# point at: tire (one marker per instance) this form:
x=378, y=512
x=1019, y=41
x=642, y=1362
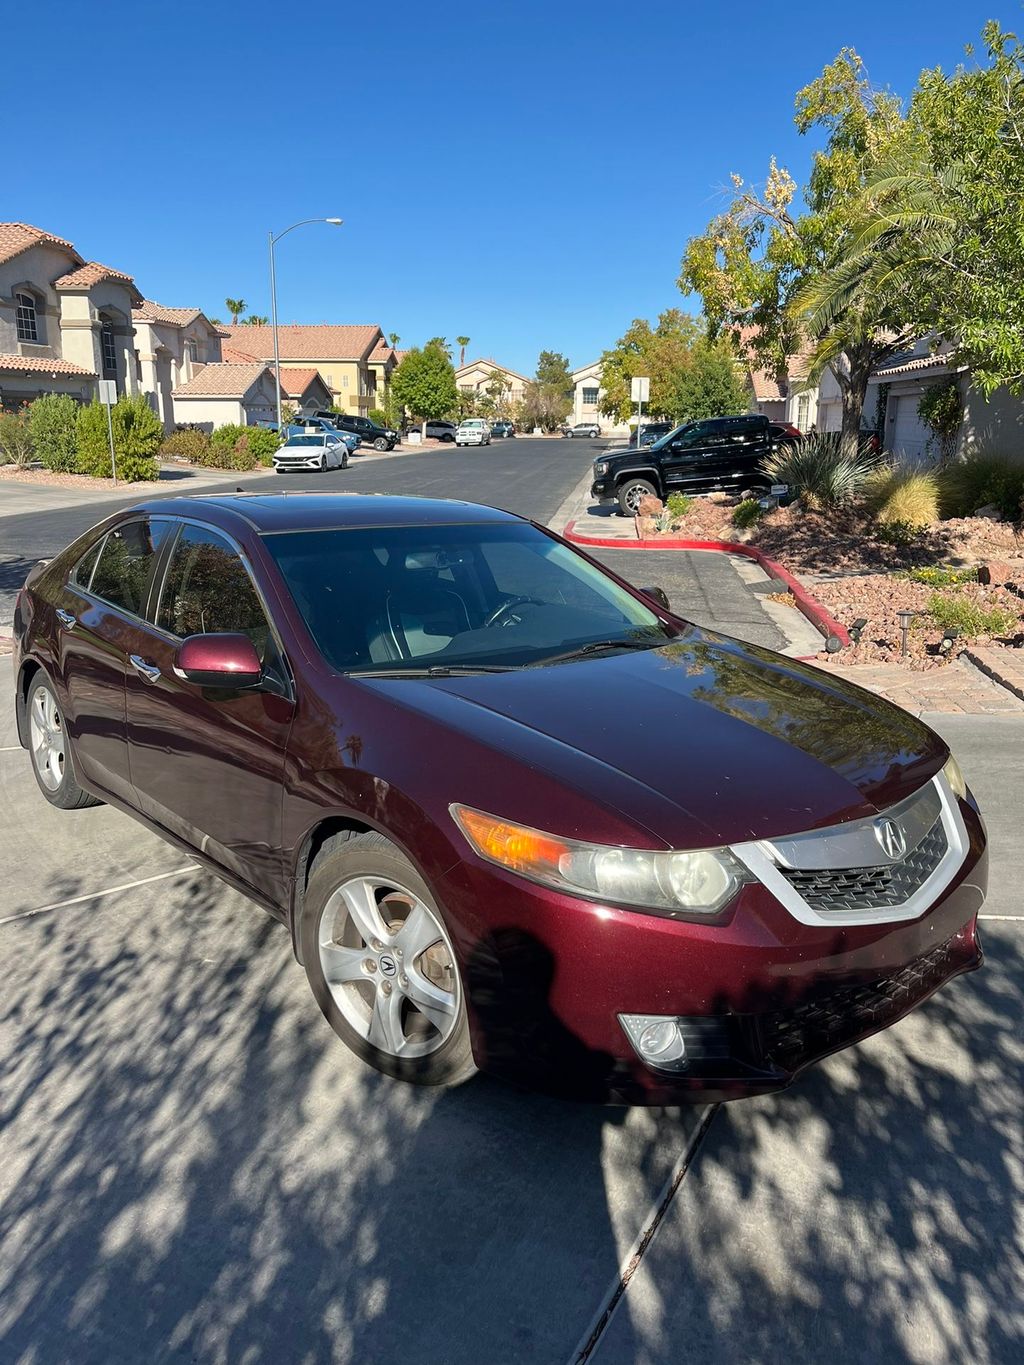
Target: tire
x=630, y=493
x=322, y=466
x=568, y=435
x=381, y=443
x=344, y=460
x=389, y=895
x=52, y=764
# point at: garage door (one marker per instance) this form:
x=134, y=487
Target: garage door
x=909, y=436
x=830, y=416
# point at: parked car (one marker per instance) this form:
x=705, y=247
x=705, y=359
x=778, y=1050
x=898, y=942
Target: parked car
x=582, y=429
x=301, y=423
x=439, y=431
x=785, y=433
x=312, y=450
x=381, y=438
x=700, y=457
x=502, y=429
x=506, y=871
x=474, y=431
x=649, y=432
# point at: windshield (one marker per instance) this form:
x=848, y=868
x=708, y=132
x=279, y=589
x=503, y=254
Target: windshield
x=305, y=441
x=381, y=598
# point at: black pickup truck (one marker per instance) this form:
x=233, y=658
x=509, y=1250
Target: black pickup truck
x=720, y=453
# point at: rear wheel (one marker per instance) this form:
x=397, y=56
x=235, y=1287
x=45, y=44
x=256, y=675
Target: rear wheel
x=630, y=493
x=381, y=963
x=568, y=435
x=51, y=752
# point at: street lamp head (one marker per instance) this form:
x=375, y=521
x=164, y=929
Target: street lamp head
x=337, y=222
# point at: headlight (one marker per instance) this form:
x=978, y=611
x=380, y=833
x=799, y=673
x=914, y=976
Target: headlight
x=951, y=772
x=699, y=882
x=600, y=466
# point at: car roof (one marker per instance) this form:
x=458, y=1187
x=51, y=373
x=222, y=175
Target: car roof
x=269, y=512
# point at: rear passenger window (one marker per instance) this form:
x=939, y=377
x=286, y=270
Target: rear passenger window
x=82, y=572
x=126, y=563
x=208, y=589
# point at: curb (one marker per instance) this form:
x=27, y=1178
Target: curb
x=825, y=624
x=984, y=667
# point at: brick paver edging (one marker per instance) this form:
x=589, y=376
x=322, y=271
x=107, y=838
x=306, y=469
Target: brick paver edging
x=810, y=606
x=1007, y=673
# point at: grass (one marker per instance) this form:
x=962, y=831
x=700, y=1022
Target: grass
x=939, y=576
x=678, y=504
x=968, y=617
x=747, y=513
x=983, y=481
x=902, y=498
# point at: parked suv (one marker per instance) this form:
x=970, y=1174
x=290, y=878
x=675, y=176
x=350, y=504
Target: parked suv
x=700, y=457
x=381, y=438
x=582, y=429
x=321, y=423
x=439, y=431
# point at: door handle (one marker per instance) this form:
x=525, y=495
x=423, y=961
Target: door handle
x=66, y=619
x=148, y=672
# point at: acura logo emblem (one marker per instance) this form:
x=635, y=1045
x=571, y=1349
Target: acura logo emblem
x=890, y=837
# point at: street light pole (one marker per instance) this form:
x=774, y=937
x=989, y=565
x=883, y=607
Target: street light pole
x=334, y=222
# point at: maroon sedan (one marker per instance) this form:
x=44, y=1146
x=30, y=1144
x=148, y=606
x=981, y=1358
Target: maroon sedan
x=515, y=813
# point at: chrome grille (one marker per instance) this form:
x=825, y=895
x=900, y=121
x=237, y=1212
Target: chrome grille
x=871, y=888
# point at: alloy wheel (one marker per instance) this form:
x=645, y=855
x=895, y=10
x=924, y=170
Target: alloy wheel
x=46, y=736
x=389, y=966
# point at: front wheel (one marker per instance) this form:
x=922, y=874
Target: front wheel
x=381, y=963
x=381, y=443
x=50, y=749
x=322, y=466
x=631, y=492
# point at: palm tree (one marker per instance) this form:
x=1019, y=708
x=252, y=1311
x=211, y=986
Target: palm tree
x=236, y=307
x=462, y=343
x=394, y=338
x=255, y=320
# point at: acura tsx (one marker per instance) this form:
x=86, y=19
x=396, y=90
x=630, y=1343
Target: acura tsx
x=516, y=814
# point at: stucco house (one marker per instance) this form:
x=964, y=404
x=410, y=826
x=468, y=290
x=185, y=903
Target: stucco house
x=172, y=346
x=64, y=321
x=305, y=389
x=476, y=377
x=221, y=393
x=354, y=361
x=586, y=401
x=784, y=396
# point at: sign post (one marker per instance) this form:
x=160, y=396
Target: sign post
x=108, y=396
x=640, y=393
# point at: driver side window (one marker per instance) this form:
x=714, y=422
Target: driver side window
x=208, y=589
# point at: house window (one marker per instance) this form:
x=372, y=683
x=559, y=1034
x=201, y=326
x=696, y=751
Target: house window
x=108, y=350
x=803, y=407
x=191, y=350
x=590, y=398
x=28, y=329
x=344, y=381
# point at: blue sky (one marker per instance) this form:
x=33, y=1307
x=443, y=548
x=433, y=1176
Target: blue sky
x=526, y=174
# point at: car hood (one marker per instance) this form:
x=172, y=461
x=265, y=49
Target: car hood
x=704, y=740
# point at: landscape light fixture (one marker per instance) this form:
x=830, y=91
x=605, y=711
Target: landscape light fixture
x=334, y=222
x=906, y=620
x=948, y=636
x=856, y=628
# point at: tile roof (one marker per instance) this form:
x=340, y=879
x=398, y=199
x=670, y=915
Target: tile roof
x=767, y=386
x=486, y=360
x=901, y=365
x=18, y=237
x=222, y=380
x=232, y=355
x=295, y=382
x=41, y=365
x=89, y=274
x=382, y=352
x=149, y=311
x=322, y=341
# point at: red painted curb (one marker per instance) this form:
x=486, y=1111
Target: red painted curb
x=817, y=615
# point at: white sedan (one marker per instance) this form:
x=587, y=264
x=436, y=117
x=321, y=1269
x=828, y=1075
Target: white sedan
x=474, y=431
x=311, y=450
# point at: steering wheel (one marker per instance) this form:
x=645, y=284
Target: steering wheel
x=499, y=611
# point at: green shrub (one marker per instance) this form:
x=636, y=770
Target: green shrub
x=938, y=576
x=379, y=416
x=899, y=533
x=187, y=443
x=747, y=513
x=242, y=456
x=968, y=616
x=53, y=421
x=227, y=435
x=262, y=443
x=908, y=497
x=240, y=448
x=817, y=471
x=16, y=439
x=982, y=481
x=138, y=435
x=678, y=504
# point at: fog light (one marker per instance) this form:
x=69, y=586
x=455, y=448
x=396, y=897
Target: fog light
x=658, y=1040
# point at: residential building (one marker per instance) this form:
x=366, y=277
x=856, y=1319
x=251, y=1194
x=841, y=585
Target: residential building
x=354, y=361
x=476, y=380
x=221, y=393
x=586, y=401
x=783, y=396
x=64, y=321
x=305, y=390
x=172, y=345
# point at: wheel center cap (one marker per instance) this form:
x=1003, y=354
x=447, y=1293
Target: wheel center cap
x=388, y=965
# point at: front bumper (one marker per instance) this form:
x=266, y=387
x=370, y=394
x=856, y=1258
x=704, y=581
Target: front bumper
x=301, y=462
x=547, y=976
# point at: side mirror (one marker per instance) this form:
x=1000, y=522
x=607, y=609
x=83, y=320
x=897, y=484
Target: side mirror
x=219, y=660
x=658, y=595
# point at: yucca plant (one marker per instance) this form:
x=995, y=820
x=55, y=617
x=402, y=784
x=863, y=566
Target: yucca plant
x=817, y=471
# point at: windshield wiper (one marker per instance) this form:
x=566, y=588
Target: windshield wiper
x=595, y=646
x=437, y=671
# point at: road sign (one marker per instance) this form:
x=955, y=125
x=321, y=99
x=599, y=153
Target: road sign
x=108, y=391
x=640, y=389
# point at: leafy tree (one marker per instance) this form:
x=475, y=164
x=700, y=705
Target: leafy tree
x=462, y=343
x=53, y=420
x=236, y=307
x=761, y=262
x=708, y=385
x=941, y=218
x=661, y=353
x=425, y=382
x=138, y=435
x=547, y=401
x=442, y=344
x=553, y=371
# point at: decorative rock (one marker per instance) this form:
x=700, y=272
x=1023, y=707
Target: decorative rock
x=996, y=572
x=649, y=505
x=990, y=512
